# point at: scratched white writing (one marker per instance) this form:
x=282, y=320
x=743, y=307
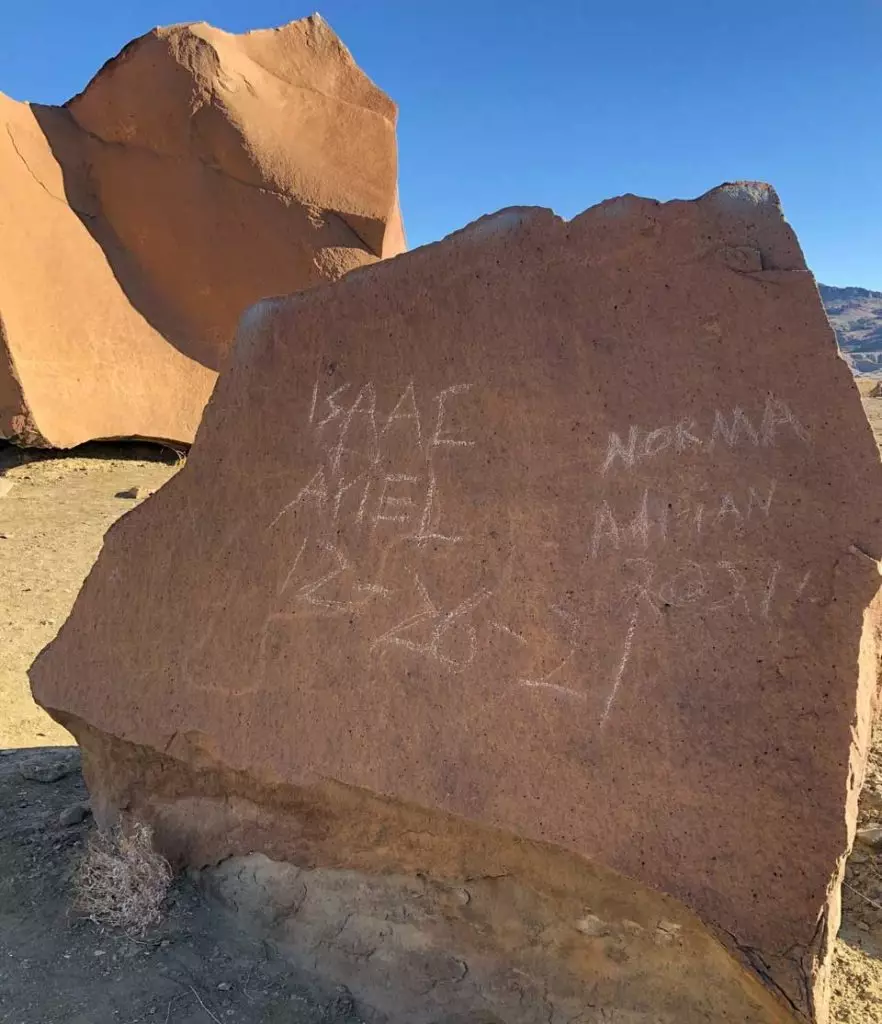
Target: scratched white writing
x=656, y=519
x=709, y=586
x=651, y=591
x=373, y=488
x=358, y=442
x=686, y=437
x=441, y=624
x=367, y=533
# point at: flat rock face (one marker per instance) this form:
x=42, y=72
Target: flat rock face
x=569, y=530
x=197, y=173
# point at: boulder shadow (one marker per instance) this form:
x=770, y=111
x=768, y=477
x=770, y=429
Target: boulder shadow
x=70, y=145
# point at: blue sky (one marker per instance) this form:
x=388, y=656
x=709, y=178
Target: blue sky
x=564, y=104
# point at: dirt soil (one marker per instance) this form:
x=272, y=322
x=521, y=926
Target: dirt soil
x=52, y=521
x=199, y=965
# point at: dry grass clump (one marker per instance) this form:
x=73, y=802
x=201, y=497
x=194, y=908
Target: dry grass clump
x=121, y=881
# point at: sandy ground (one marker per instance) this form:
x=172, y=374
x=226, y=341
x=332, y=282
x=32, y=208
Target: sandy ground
x=198, y=966
x=51, y=524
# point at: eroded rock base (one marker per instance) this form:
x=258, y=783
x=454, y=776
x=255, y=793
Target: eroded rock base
x=428, y=918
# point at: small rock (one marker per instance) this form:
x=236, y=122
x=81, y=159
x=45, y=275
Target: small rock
x=870, y=836
x=667, y=932
x=224, y=986
x=6, y=536
x=592, y=926
x=132, y=492
x=52, y=772
x=864, y=927
x=74, y=814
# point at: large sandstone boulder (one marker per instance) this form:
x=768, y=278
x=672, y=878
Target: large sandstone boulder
x=547, y=553
x=197, y=173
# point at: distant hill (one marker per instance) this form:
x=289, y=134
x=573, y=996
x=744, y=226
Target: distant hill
x=856, y=316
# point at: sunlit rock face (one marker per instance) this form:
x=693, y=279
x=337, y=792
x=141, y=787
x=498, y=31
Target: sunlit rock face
x=550, y=544
x=197, y=173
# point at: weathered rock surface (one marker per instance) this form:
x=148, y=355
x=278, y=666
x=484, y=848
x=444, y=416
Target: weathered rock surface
x=197, y=173
x=523, y=939
x=566, y=532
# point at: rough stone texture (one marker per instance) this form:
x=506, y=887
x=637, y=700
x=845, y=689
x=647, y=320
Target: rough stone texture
x=197, y=173
x=564, y=942
x=569, y=530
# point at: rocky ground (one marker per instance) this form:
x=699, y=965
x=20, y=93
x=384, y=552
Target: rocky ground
x=198, y=965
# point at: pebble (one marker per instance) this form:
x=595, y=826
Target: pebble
x=592, y=925
x=131, y=492
x=46, y=772
x=224, y=986
x=74, y=814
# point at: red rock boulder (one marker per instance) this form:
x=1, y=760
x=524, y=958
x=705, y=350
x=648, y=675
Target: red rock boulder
x=548, y=537
x=197, y=173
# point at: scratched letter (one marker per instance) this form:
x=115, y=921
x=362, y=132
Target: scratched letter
x=615, y=449
x=606, y=530
x=364, y=406
x=406, y=409
x=394, y=509
x=439, y=437
x=777, y=414
x=316, y=491
x=657, y=441
x=429, y=524
x=732, y=433
x=755, y=501
x=728, y=508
